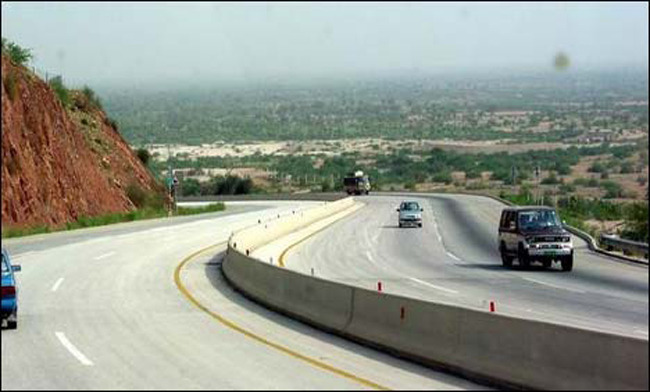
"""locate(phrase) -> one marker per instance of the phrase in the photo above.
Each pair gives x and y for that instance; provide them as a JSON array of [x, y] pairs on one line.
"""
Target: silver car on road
[[410, 214]]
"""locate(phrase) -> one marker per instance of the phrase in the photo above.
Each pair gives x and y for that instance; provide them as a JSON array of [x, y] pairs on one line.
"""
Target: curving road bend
[[454, 259], [100, 309]]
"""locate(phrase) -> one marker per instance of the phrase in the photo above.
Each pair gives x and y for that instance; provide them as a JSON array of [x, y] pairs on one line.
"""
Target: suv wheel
[[506, 260], [524, 260], [12, 321], [567, 263]]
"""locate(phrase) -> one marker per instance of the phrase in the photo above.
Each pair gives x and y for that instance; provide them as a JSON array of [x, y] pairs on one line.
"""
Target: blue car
[[9, 292]]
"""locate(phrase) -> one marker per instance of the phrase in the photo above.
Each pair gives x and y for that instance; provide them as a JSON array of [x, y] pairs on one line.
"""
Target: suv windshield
[[531, 220], [410, 206]]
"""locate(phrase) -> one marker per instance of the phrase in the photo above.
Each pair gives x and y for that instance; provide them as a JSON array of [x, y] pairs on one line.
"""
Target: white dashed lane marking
[[555, 286], [109, 254], [57, 284]]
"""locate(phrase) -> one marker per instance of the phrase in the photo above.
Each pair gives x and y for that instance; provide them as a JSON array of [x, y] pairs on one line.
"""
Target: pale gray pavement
[[454, 259], [99, 309]]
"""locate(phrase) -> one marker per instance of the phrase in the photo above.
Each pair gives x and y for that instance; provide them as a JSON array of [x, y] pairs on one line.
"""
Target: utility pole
[[537, 190], [172, 182]]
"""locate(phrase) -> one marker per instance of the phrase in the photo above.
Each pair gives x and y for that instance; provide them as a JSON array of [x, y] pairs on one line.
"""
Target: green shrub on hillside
[[228, 185], [145, 200], [444, 177], [567, 188], [86, 100], [627, 167], [11, 84], [551, 179], [92, 98], [16, 53], [636, 222], [136, 194], [191, 187], [597, 167], [144, 155], [60, 90], [613, 189]]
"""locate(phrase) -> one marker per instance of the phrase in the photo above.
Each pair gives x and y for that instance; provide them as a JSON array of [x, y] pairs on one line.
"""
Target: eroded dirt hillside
[[59, 164]]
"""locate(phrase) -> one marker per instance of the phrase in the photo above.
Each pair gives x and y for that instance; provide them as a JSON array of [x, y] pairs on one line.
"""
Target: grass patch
[[60, 90], [11, 232], [11, 84], [108, 219], [201, 210]]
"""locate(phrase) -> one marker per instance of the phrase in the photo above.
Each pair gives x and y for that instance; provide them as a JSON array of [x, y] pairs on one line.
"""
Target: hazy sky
[[135, 42]]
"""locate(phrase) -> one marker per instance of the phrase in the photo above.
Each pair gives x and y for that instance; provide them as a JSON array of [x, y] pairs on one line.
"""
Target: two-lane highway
[[137, 306], [454, 259]]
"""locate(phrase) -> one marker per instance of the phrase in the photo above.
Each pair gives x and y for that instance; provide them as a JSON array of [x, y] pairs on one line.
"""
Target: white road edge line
[[109, 254], [57, 284], [433, 286], [554, 286], [435, 226], [73, 350]]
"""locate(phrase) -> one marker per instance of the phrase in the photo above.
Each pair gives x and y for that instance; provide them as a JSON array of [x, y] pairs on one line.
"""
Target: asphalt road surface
[[454, 259], [139, 306]]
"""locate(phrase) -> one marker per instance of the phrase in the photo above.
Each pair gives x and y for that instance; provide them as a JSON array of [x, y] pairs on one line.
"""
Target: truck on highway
[[357, 183]]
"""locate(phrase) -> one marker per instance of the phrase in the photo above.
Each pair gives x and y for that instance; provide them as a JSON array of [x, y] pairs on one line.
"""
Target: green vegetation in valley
[[405, 165], [219, 185], [530, 107], [577, 210]]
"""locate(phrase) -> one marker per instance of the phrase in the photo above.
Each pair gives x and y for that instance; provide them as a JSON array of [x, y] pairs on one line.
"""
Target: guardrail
[[507, 351], [611, 242]]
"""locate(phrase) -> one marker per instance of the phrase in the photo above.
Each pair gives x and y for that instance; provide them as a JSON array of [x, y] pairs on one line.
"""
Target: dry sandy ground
[[337, 147], [369, 147]]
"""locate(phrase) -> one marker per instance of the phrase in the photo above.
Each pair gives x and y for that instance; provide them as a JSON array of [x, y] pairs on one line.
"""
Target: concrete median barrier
[[323, 303], [506, 351]]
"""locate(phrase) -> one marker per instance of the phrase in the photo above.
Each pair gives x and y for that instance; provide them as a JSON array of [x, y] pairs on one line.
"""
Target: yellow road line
[[281, 261], [233, 326]]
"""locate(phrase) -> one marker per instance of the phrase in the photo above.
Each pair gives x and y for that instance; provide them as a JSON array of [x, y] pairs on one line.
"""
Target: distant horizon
[[334, 80], [128, 44]]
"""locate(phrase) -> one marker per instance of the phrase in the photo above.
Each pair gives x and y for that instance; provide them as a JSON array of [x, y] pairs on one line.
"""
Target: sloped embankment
[[59, 163]]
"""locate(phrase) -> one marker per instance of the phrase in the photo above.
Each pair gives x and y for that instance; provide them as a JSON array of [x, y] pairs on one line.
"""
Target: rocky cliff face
[[59, 164]]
